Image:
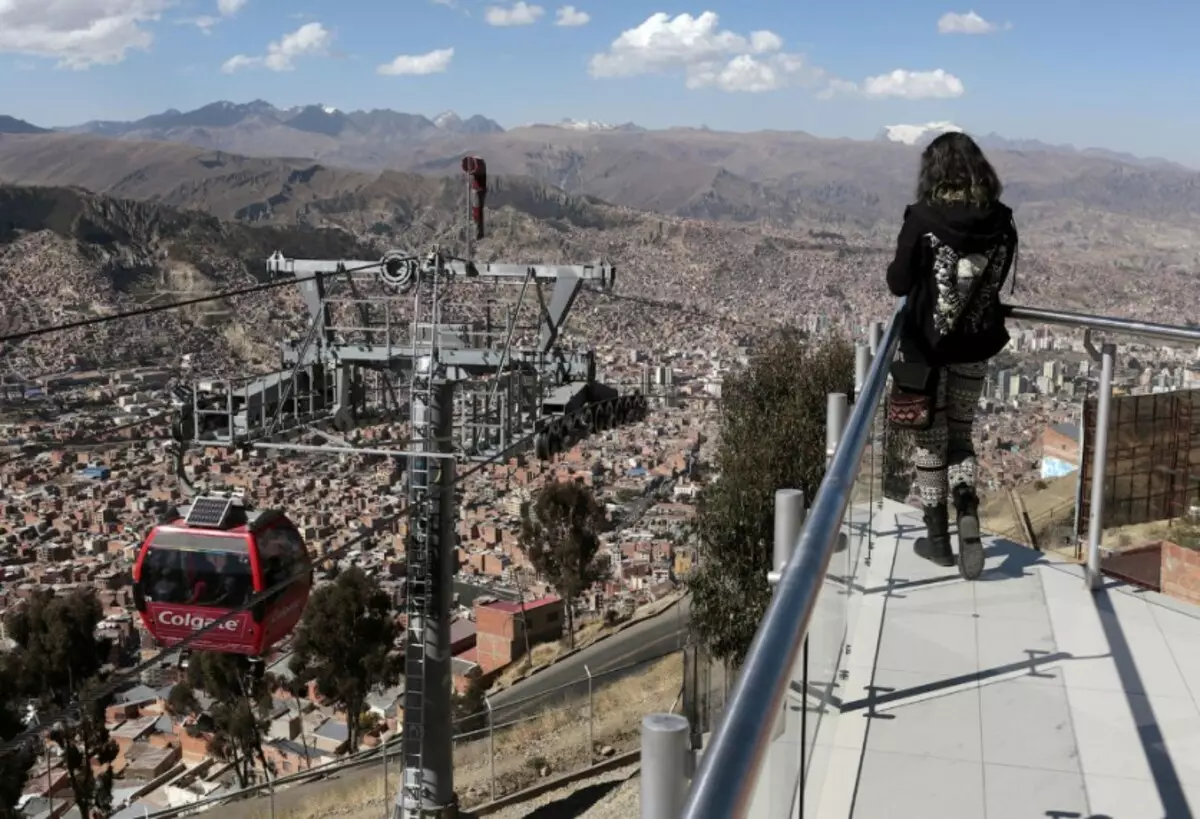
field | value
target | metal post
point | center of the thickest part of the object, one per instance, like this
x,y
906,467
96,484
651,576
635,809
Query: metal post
x,y
836,412
664,765
386,789
874,335
427,749
1099,463
487,701
789,519
591,734
862,362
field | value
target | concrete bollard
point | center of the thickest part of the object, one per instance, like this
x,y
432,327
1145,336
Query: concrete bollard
x,y
665,765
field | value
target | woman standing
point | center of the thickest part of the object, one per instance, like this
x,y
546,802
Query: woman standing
x,y
954,254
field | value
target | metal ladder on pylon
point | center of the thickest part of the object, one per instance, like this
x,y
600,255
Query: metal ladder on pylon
x,y
424,525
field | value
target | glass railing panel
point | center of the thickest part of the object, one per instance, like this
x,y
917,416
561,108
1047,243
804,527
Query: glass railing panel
x,y
798,759
835,620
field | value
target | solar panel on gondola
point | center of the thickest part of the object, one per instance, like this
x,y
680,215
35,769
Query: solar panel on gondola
x,y
209,512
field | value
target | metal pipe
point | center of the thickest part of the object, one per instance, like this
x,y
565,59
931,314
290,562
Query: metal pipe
x,y
724,785
789,520
353,450
874,334
1131,327
836,407
1099,465
862,361
664,765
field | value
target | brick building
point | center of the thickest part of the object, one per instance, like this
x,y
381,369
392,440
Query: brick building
x,y
500,634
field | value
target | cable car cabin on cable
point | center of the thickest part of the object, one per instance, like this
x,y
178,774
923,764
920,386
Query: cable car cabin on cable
x,y
214,558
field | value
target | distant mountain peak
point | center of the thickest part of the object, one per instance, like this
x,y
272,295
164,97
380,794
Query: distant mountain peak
x,y
447,119
913,134
12,125
592,125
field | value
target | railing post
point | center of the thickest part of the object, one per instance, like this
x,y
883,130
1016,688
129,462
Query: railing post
x,y
789,520
874,336
1099,463
591,736
836,411
664,765
487,701
862,363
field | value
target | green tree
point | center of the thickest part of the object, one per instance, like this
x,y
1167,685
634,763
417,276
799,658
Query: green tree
x,y
239,712
61,667
14,761
772,436
344,643
560,534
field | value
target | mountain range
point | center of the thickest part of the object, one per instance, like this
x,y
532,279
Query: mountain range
x,y
786,178
368,139
755,223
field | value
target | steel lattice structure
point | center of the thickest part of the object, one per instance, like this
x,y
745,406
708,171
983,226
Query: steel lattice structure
x,y
474,393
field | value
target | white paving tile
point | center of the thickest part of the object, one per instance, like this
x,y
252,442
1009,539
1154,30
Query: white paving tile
x,y
1013,792
1042,737
1113,797
902,785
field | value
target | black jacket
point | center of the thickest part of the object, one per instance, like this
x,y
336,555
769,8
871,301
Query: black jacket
x,y
942,325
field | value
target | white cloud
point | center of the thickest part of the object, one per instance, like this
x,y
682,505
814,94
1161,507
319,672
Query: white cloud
x,y
711,57
80,33
225,10
310,40
571,16
914,85
706,54
433,62
898,84
521,14
969,23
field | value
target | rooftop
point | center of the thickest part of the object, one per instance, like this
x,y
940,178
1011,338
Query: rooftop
x,y
513,608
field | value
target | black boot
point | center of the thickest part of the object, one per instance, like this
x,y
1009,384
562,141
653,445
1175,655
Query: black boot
x,y
935,546
970,544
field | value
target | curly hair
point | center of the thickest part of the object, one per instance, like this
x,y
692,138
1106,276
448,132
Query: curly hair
x,y
954,169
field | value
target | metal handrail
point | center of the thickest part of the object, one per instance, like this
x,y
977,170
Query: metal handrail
x,y
724,784
1084,321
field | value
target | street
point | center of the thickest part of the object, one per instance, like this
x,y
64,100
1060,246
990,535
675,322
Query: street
x,y
635,646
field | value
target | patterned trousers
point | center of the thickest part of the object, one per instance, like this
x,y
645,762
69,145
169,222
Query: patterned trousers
x,y
944,454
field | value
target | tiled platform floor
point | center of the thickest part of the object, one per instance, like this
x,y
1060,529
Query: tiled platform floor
x,y
1019,695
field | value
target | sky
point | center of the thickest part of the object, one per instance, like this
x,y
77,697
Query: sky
x,y
1118,75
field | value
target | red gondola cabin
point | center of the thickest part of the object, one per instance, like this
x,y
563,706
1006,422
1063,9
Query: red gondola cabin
x,y
213,559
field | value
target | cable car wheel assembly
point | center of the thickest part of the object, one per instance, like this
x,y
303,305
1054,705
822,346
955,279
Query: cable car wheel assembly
x,y
560,431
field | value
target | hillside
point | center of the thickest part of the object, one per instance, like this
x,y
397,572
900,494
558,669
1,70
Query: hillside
x,y
742,251
782,176
67,255
1073,208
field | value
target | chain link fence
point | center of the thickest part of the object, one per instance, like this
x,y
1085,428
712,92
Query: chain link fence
x,y
512,746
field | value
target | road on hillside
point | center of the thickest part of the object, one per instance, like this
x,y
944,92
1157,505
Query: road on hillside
x,y
635,646
638,644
